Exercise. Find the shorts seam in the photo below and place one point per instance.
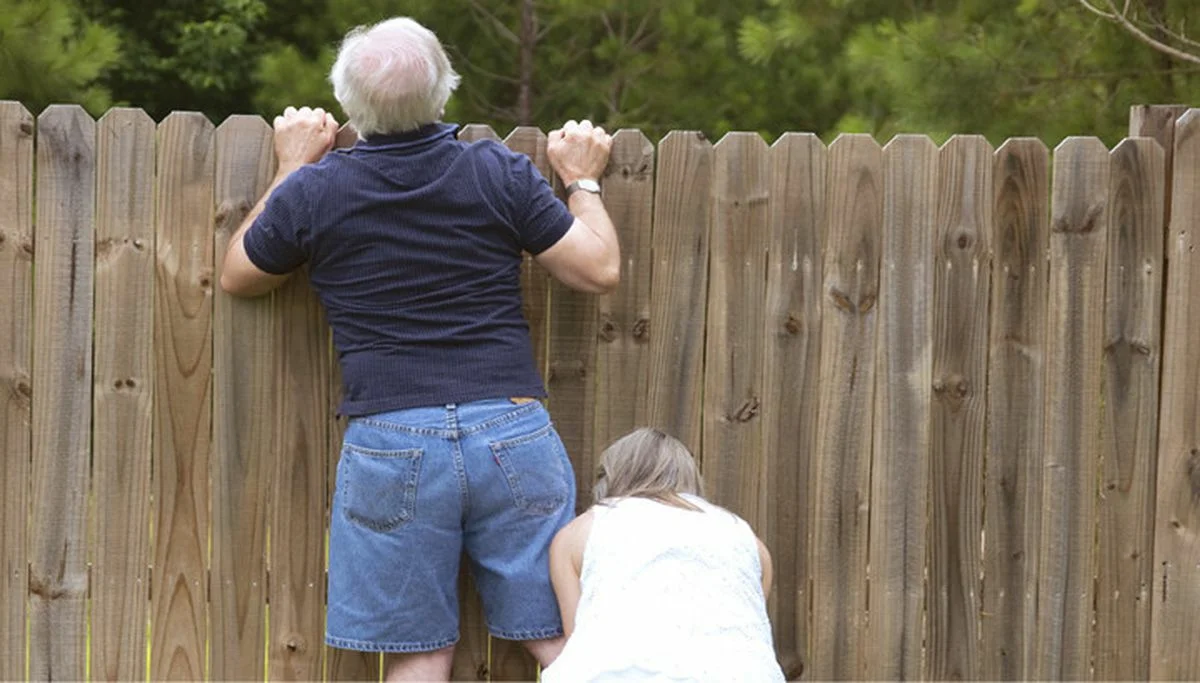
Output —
(444, 433)
(526, 634)
(402, 647)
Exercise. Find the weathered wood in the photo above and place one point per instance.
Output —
(841, 479)
(679, 286)
(1158, 121)
(62, 383)
(123, 393)
(623, 352)
(900, 469)
(16, 351)
(472, 655)
(1132, 349)
(961, 294)
(1017, 348)
(1074, 364)
(741, 212)
(1175, 629)
(296, 590)
(244, 410)
(183, 396)
(791, 365)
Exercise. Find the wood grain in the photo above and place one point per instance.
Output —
(900, 465)
(16, 388)
(123, 394)
(62, 383)
(244, 410)
(791, 366)
(679, 285)
(842, 466)
(961, 294)
(623, 351)
(1132, 350)
(535, 281)
(296, 590)
(183, 396)
(1175, 629)
(1017, 349)
(1158, 121)
(732, 458)
(1074, 364)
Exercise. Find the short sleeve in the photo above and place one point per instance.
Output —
(275, 242)
(538, 216)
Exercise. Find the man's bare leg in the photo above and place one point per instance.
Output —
(419, 666)
(545, 651)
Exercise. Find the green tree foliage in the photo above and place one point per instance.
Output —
(50, 52)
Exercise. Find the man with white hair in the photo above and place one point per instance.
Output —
(414, 242)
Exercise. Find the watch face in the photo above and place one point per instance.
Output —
(588, 185)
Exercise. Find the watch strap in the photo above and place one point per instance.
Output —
(585, 185)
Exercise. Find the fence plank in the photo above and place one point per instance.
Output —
(791, 363)
(244, 408)
(1175, 629)
(741, 212)
(900, 469)
(1158, 121)
(962, 284)
(1132, 348)
(183, 393)
(296, 589)
(838, 555)
(62, 382)
(123, 397)
(1020, 240)
(623, 354)
(679, 285)
(1073, 382)
(472, 655)
(535, 281)
(16, 349)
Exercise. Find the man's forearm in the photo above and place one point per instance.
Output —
(589, 209)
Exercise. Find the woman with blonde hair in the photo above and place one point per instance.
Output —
(657, 584)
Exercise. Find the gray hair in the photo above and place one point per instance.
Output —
(392, 77)
(648, 463)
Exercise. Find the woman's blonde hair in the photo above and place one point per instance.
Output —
(648, 463)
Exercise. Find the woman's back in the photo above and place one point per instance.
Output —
(669, 594)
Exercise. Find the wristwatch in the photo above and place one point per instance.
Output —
(584, 184)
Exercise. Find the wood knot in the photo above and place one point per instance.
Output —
(124, 384)
(293, 646)
(26, 128)
(746, 412)
(608, 328)
(27, 247)
(567, 369)
(792, 324)
(953, 389)
(22, 391)
(2, 238)
(482, 671)
(963, 241)
(641, 329)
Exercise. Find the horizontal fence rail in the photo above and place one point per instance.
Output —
(955, 389)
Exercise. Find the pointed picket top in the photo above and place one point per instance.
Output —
(1138, 151)
(1189, 119)
(1080, 144)
(10, 111)
(909, 141)
(125, 117)
(70, 120)
(1079, 188)
(854, 141)
(677, 138)
(1021, 146)
(530, 141)
(632, 156)
(245, 123)
(971, 141)
(187, 118)
(741, 138)
(477, 131)
(793, 138)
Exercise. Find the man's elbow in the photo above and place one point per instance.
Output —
(604, 281)
(241, 287)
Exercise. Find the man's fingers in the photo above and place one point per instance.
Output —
(555, 135)
(598, 132)
(585, 126)
(306, 111)
(278, 121)
(290, 111)
(331, 122)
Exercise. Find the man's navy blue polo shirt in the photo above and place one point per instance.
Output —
(413, 244)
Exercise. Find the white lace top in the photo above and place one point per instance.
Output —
(668, 594)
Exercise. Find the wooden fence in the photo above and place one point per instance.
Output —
(956, 389)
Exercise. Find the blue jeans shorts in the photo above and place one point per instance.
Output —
(417, 487)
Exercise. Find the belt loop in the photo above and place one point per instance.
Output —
(452, 416)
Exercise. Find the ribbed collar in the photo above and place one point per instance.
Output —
(413, 138)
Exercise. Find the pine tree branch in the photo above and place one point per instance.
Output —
(1122, 18)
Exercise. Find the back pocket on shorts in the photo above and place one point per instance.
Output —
(379, 488)
(533, 466)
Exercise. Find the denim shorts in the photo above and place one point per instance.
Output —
(417, 487)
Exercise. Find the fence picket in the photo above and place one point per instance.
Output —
(1017, 349)
(183, 393)
(1175, 629)
(123, 393)
(1075, 318)
(16, 353)
(1132, 349)
(841, 479)
(244, 410)
(62, 383)
(962, 282)
(679, 285)
(791, 363)
(900, 469)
